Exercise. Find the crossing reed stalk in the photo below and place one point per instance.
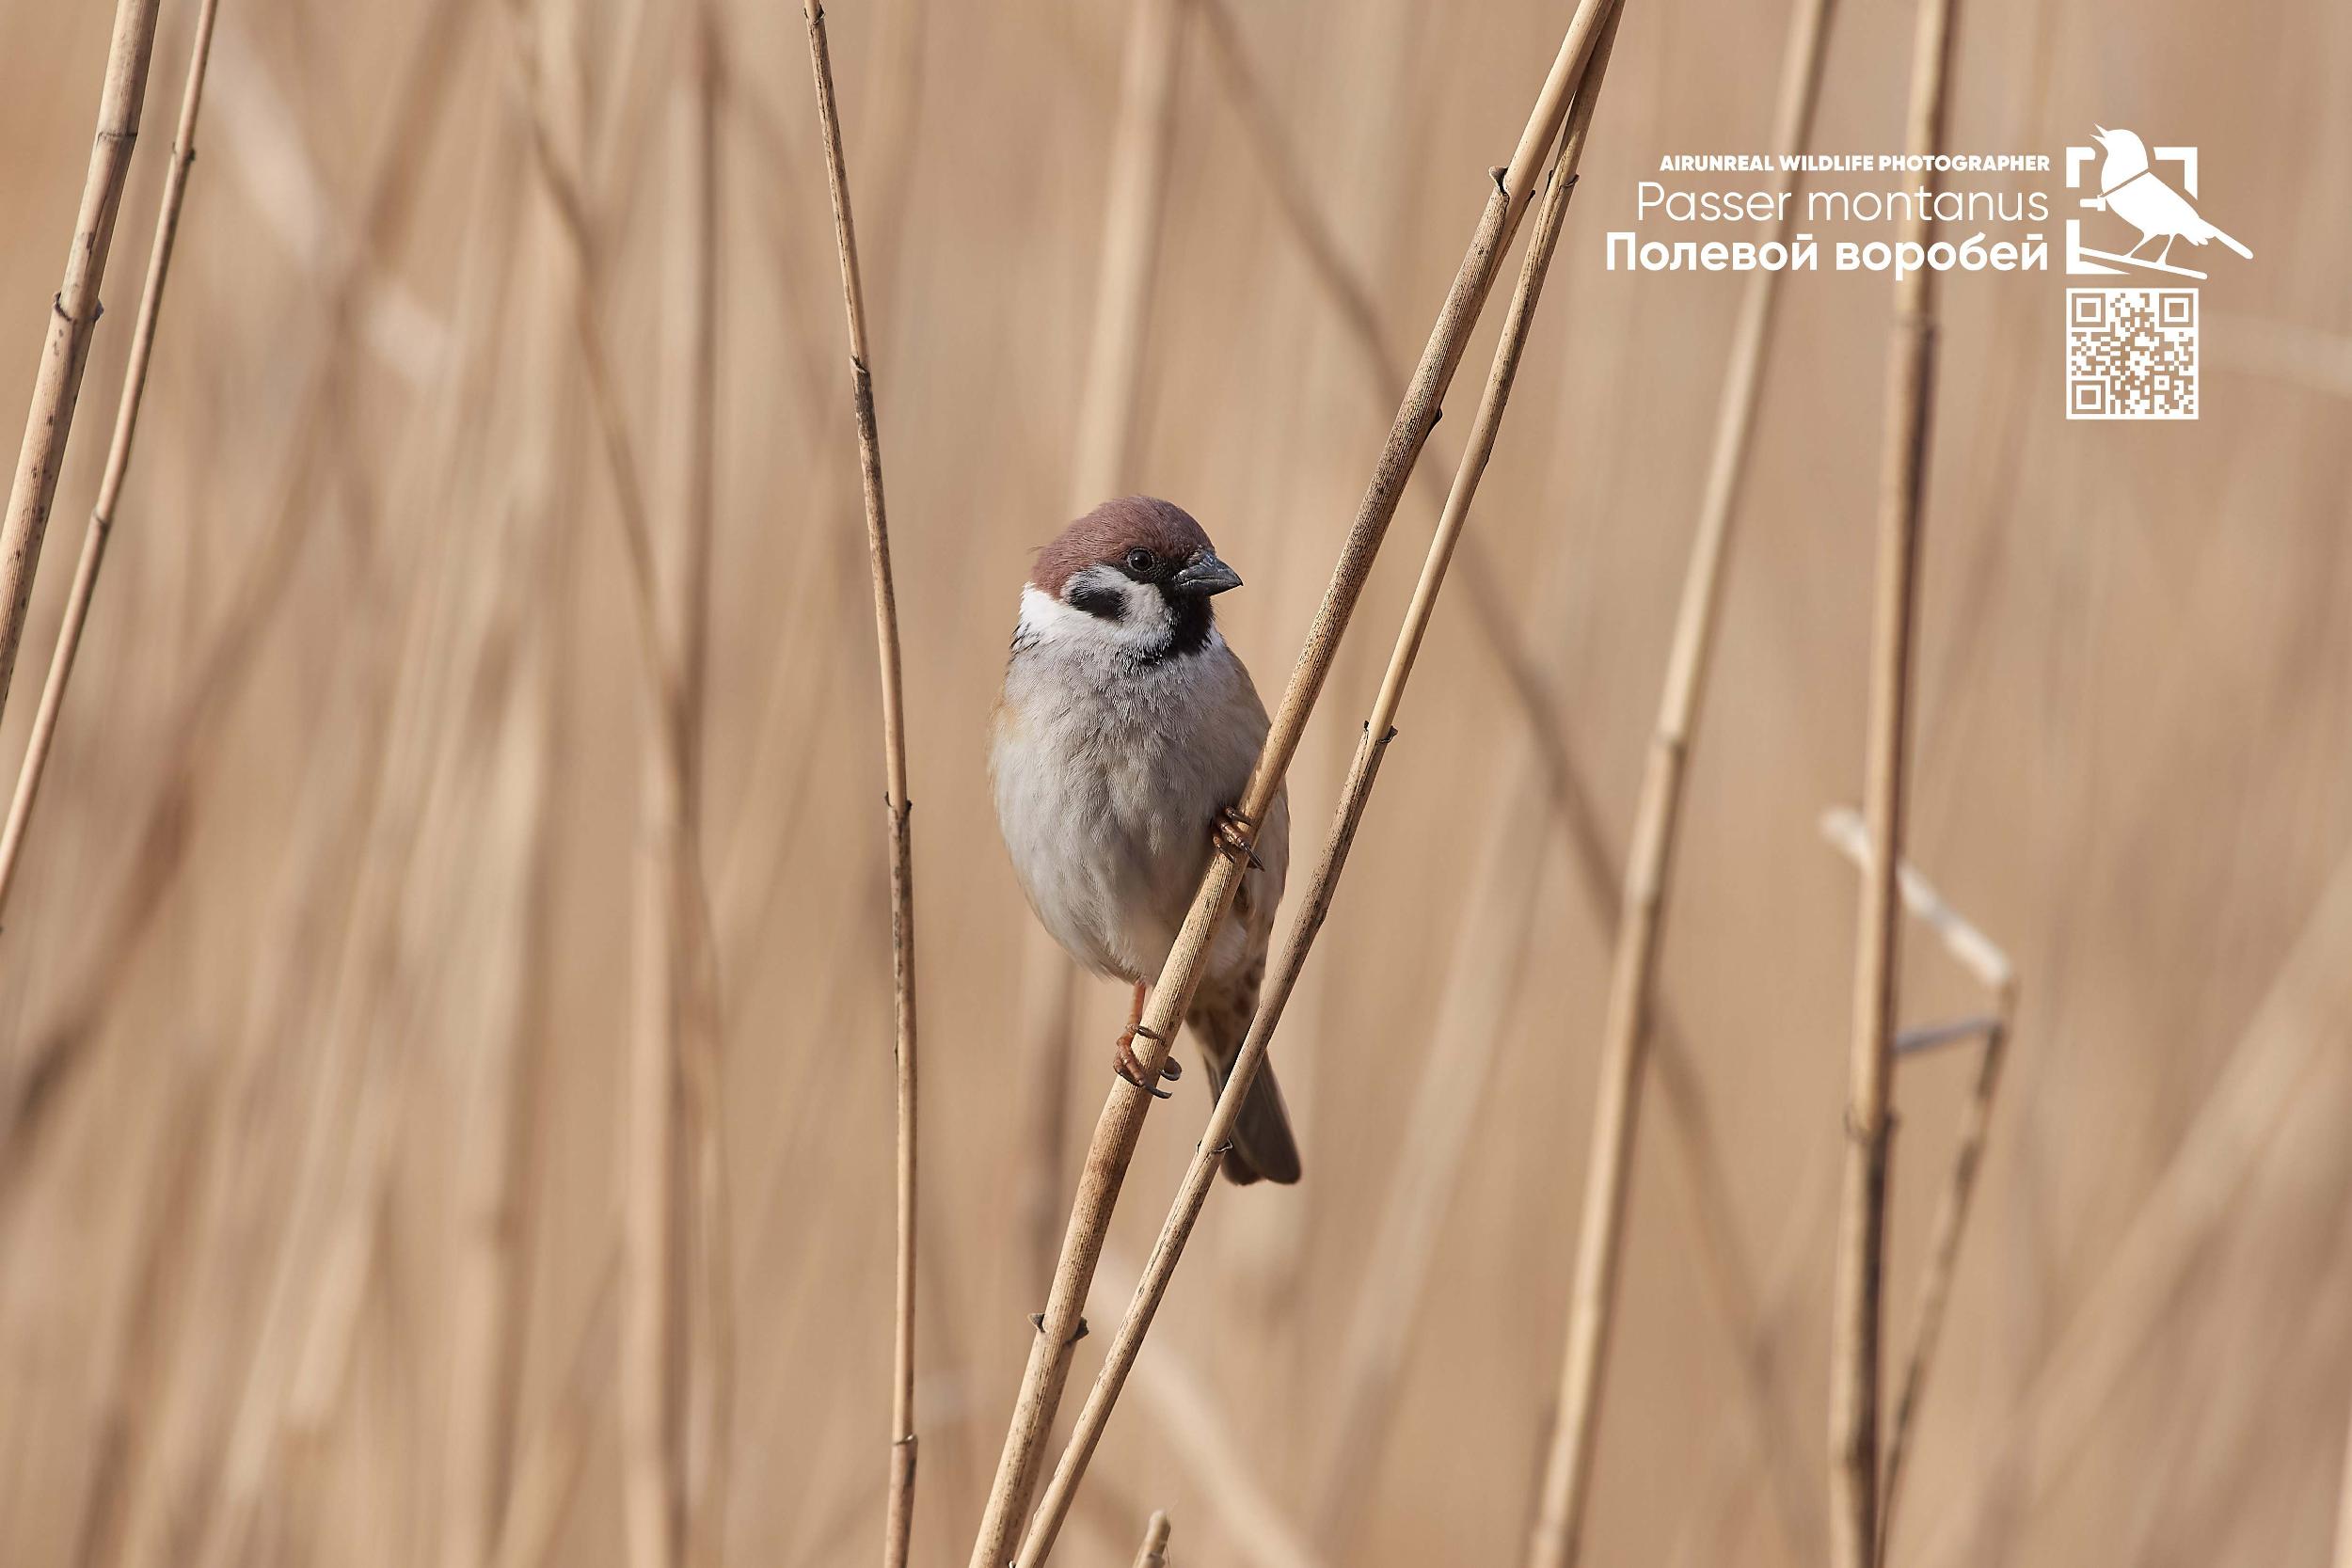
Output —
(101, 525)
(1122, 1123)
(1355, 793)
(72, 320)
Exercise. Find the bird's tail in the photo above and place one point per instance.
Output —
(1263, 1148)
(2231, 243)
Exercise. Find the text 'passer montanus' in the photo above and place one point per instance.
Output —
(1125, 736)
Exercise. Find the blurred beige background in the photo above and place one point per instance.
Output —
(328, 904)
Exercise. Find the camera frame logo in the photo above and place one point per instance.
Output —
(2131, 352)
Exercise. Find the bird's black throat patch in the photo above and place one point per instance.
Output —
(1189, 624)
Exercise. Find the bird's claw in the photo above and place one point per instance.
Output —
(1128, 1066)
(1231, 835)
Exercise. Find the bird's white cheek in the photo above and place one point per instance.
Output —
(1142, 623)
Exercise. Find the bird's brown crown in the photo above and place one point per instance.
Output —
(1107, 533)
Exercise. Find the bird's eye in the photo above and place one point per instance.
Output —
(1141, 562)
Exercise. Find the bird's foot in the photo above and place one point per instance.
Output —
(1231, 835)
(1125, 1063)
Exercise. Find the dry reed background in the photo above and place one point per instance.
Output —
(326, 913)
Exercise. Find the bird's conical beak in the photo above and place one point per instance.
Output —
(1204, 575)
(2099, 134)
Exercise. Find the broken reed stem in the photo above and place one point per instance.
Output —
(1122, 1121)
(1558, 1534)
(1935, 1286)
(1857, 1305)
(1362, 773)
(1133, 216)
(73, 319)
(901, 810)
(1991, 968)
(1153, 1552)
(101, 525)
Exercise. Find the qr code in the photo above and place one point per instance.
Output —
(2131, 353)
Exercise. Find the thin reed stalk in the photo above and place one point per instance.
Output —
(1153, 1552)
(1101, 463)
(901, 1511)
(1989, 967)
(1355, 793)
(1122, 1121)
(72, 320)
(1857, 1302)
(1558, 1538)
(102, 516)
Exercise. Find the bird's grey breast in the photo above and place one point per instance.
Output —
(1108, 776)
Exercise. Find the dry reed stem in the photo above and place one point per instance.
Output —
(73, 319)
(2299, 1021)
(1122, 1121)
(1153, 1552)
(1355, 793)
(118, 458)
(1991, 968)
(1558, 1538)
(901, 1521)
(1437, 1141)
(1133, 215)
(1857, 1305)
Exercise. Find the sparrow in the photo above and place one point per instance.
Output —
(1118, 752)
(2133, 191)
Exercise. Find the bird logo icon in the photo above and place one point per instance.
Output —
(2130, 187)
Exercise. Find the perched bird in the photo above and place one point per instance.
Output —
(1120, 747)
(2132, 189)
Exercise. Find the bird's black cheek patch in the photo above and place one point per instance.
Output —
(1095, 599)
